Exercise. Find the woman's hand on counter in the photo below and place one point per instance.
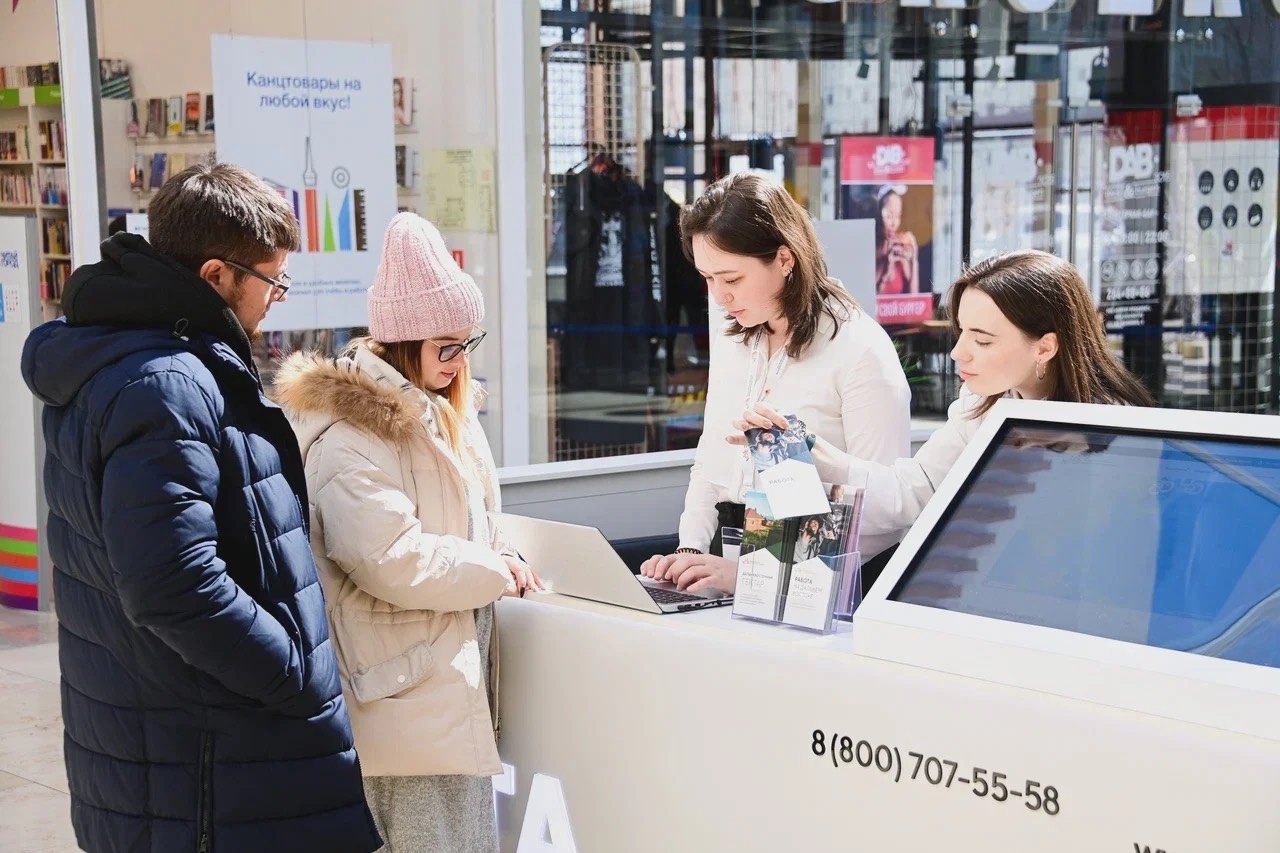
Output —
(692, 572)
(523, 578)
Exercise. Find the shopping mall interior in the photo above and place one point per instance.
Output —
(555, 143)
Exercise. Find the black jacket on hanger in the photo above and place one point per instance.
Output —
(611, 310)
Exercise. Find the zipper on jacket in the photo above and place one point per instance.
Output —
(204, 808)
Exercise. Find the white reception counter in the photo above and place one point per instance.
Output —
(697, 732)
(1076, 648)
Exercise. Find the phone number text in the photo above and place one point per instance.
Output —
(844, 751)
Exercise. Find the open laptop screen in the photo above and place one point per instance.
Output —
(1160, 539)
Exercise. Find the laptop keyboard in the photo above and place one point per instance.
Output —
(670, 596)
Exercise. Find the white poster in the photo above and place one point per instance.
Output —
(138, 223)
(19, 576)
(850, 249)
(314, 119)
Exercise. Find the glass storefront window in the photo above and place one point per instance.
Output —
(1079, 127)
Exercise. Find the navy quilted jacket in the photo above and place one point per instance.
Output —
(200, 693)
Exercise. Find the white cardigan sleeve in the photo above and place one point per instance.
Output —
(875, 406)
(897, 493)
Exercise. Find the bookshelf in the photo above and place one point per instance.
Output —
(131, 174)
(142, 146)
(33, 179)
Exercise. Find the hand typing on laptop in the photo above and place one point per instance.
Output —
(692, 572)
(579, 562)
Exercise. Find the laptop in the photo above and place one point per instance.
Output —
(579, 562)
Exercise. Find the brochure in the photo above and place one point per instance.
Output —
(811, 593)
(785, 470)
(761, 563)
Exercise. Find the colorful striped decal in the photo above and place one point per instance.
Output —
(19, 581)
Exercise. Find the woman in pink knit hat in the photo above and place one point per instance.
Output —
(402, 489)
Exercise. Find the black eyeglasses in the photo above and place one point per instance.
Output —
(448, 352)
(280, 284)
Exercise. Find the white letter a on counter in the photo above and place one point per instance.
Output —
(546, 819)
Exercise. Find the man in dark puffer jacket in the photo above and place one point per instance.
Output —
(200, 694)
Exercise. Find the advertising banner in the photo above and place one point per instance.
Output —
(19, 568)
(889, 180)
(1129, 236)
(315, 120)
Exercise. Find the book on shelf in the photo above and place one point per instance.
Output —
(175, 115)
(114, 80)
(52, 140)
(53, 185)
(15, 144)
(177, 163)
(193, 112)
(159, 170)
(155, 117)
(208, 113)
(138, 172)
(16, 188)
(17, 76)
(402, 95)
(55, 234)
(405, 166)
(135, 119)
(53, 277)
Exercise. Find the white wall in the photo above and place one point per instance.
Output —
(29, 35)
(445, 46)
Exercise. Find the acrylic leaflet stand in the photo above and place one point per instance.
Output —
(808, 595)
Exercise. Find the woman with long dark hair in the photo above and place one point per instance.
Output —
(793, 338)
(1025, 326)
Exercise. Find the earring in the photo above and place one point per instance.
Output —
(1040, 369)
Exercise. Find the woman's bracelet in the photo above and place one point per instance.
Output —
(688, 551)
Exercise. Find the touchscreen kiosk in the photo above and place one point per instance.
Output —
(1107, 553)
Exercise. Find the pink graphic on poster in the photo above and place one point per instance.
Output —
(889, 179)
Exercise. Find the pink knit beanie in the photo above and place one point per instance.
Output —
(419, 291)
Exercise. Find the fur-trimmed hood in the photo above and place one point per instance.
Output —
(317, 392)
(364, 390)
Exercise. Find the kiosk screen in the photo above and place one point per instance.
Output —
(1164, 540)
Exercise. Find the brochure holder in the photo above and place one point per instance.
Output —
(806, 595)
(850, 594)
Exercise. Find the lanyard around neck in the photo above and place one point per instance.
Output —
(758, 388)
(758, 380)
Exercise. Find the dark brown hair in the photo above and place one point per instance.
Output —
(1041, 293)
(220, 211)
(752, 215)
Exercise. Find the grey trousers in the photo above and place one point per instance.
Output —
(433, 814)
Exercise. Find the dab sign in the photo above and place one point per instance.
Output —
(1131, 162)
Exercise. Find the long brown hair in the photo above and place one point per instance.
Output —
(406, 358)
(1041, 293)
(751, 215)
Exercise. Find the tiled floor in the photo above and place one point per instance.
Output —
(35, 809)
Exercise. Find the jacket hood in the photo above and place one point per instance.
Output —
(317, 392)
(132, 300)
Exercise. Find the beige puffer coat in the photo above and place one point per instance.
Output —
(403, 561)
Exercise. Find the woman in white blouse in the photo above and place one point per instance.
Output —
(795, 339)
(1025, 326)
